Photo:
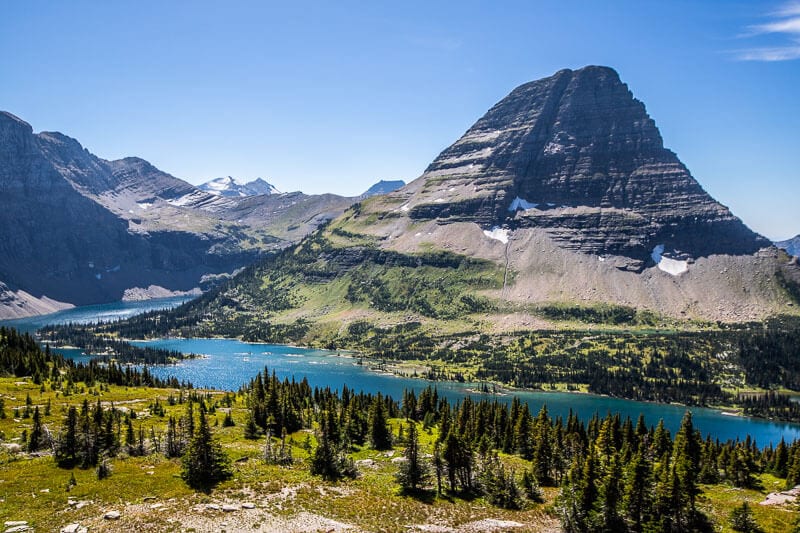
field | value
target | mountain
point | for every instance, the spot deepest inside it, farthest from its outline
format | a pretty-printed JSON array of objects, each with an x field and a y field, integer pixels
[
  {"x": 792, "y": 246},
  {"x": 383, "y": 187},
  {"x": 229, "y": 186},
  {"x": 560, "y": 202},
  {"x": 78, "y": 229}
]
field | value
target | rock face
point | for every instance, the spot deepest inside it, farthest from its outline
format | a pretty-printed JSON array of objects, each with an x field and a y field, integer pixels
[
  {"x": 566, "y": 185},
  {"x": 792, "y": 246},
  {"x": 77, "y": 229},
  {"x": 231, "y": 187},
  {"x": 383, "y": 187},
  {"x": 578, "y": 155}
]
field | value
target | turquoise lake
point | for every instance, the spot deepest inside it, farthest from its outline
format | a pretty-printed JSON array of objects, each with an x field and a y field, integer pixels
[{"x": 228, "y": 364}]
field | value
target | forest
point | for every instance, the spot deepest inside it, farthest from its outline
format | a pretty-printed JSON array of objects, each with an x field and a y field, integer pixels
[{"x": 611, "y": 474}]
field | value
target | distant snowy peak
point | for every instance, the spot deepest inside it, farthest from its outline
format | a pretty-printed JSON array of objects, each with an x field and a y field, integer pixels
[{"x": 231, "y": 187}]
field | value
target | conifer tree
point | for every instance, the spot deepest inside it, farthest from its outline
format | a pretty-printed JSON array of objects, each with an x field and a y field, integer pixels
[
  {"x": 686, "y": 460},
  {"x": 36, "y": 439},
  {"x": 413, "y": 473},
  {"x": 380, "y": 436},
  {"x": 637, "y": 493},
  {"x": 67, "y": 448},
  {"x": 205, "y": 463}
]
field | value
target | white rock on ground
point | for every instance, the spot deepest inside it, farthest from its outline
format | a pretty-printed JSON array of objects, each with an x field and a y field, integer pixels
[
  {"x": 18, "y": 529},
  {"x": 112, "y": 515}
]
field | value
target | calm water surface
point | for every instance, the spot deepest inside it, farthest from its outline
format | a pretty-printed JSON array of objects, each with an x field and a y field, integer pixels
[{"x": 228, "y": 364}]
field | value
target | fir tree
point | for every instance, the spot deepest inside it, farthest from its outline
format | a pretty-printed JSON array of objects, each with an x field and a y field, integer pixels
[
  {"x": 205, "y": 463},
  {"x": 742, "y": 520},
  {"x": 36, "y": 439},
  {"x": 380, "y": 436},
  {"x": 413, "y": 473},
  {"x": 637, "y": 493}
]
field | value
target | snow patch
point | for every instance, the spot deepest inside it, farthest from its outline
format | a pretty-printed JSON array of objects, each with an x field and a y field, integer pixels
[
  {"x": 439, "y": 201},
  {"x": 554, "y": 148},
  {"x": 670, "y": 266},
  {"x": 404, "y": 207},
  {"x": 498, "y": 234},
  {"x": 520, "y": 203},
  {"x": 144, "y": 205},
  {"x": 182, "y": 201}
]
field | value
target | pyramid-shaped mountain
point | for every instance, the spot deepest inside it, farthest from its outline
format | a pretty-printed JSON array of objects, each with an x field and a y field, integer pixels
[
  {"x": 562, "y": 196},
  {"x": 578, "y": 155},
  {"x": 566, "y": 184}
]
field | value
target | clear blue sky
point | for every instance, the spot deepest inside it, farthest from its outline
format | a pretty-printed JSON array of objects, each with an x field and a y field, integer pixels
[{"x": 331, "y": 96}]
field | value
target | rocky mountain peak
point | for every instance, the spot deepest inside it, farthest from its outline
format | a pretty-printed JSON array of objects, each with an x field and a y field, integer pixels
[
  {"x": 575, "y": 153},
  {"x": 231, "y": 187}
]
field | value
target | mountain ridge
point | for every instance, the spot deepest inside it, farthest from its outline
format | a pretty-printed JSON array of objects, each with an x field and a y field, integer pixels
[
  {"x": 562, "y": 196},
  {"x": 78, "y": 229},
  {"x": 792, "y": 246},
  {"x": 229, "y": 186}
]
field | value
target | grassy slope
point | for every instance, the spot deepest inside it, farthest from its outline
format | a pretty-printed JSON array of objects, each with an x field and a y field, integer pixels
[{"x": 34, "y": 489}]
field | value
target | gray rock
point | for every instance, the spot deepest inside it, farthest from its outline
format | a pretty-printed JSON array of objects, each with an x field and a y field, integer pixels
[
  {"x": 229, "y": 508},
  {"x": 18, "y": 529},
  {"x": 248, "y": 505},
  {"x": 112, "y": 515},
  {"x": 792, "y": 246},
  {"x": 117, "y": 225},
  {"x": 213, "y": 507},
  {"x": 74, "y": 528},
  {"x": 584, "y": 151}
]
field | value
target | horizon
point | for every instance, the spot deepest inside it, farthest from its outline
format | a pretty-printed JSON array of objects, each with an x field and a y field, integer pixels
[{"x": 314, "y": 95}]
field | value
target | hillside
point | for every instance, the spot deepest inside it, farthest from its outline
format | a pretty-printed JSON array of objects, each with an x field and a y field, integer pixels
[
  {"x": 78, "y": 229},
  {"x": 562, "y": 197},
  {"x": 792, "y": 246}
]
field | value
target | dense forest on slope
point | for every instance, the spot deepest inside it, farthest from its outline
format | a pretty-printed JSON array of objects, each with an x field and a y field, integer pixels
[
  {"x": 21, "y": 355},
  {"x": 719, "y": 365},
  {"x": 611, "y": 474}
]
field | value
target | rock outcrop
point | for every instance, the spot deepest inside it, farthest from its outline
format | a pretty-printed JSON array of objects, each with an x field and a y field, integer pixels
[
  {"x": 792, "y": 246},
  {"x": 577, "y": 155},
  {"x": 77, "y": 229},
  {"x": 566, "y": 184}
]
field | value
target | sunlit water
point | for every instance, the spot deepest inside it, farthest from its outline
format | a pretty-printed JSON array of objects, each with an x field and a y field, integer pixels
[{"x": 228, "y": 364}]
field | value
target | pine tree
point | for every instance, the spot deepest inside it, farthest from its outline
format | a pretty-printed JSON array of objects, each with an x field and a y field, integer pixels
[
  {"x": 780, "y": 463},
  {"x": 610, "y": 496},
  {"x": 251, "y": 429},
  {"x": 67, "y": 448},
  {"x": 413, "y": 473},
  {"x": 687, "y": 449},
  {"x": 205, "y": 463},
  {"x": 637, "y": 493},
  {"x": 543, "y": 449},
  {"x": 742, "y": 520},
  {"x": 380, "y": 436},
  {"x": 36, "y": 439}
]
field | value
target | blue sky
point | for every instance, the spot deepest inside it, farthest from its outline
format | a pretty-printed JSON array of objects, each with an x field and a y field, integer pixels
[{"x": 332, "y": 96}]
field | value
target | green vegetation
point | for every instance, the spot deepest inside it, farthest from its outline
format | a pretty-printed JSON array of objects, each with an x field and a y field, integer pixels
[{"x": 121, "y": 446}]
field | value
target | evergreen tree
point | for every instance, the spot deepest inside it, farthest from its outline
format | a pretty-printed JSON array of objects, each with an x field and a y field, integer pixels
[
  {"x": 637, "y": 493},
  {"x": 413, "y": 473},
  {"x": 498, "y": 485},
  {"x": 543, "y": 449},
  {"x": 36, "y": 439},
  {"x": 780, "y": 463},
  {"x": 686, "y": 460},
  {"x": 67, "y": 448},
  {"x": 380, "y": 436},
  {"x": 742, "y": 520},
  {"x": 205, "y": 463}
]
